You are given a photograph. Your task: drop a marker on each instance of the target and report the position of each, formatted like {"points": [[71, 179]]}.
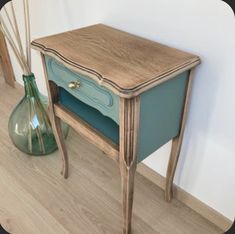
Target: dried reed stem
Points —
{"points": [[27, 32], [30, 145], [9, 20], [15, 29], [7, 35], [17, 33], [16, 45]]}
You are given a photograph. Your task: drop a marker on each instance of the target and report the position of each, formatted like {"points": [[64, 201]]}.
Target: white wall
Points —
{"points": [[205, 27]]}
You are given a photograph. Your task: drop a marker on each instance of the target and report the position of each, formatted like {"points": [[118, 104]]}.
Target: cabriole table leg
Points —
{"points": [[177, 143], [129, 126]]}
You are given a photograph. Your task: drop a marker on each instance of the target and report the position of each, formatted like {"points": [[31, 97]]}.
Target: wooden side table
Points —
{"points": [[125, 94]]}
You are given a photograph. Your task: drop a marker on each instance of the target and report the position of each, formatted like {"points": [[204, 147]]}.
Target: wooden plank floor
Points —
{"points": [[34, 198]]}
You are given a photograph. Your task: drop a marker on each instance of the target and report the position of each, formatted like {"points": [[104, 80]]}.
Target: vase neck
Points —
{"points": [[31, 89]]}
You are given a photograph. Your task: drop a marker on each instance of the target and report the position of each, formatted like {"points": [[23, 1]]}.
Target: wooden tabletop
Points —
{"points": [[122, 61]]}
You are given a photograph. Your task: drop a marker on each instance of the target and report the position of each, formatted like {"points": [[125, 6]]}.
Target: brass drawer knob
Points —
{"points": [[74, 84]]}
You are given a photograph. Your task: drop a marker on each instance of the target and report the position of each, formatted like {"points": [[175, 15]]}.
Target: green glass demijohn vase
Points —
{"points": [[29, 125]]}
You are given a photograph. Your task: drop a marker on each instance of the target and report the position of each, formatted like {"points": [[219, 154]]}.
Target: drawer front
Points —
{"points": [[88, 91]]}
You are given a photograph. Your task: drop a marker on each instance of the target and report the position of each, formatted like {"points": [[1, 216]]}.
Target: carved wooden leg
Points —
{"points": [[175, 151], [57, 130], [129, 125], [56, 122], [56, 125], [128, 175], [176, 144]]}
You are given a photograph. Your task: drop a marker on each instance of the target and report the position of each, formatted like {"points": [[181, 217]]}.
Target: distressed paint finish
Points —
{"points": [[129, 128], [160, 114], [89, 91], [148, 80]]}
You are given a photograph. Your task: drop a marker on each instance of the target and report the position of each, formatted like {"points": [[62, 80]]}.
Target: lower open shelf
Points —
{"points": [[103, 124]]}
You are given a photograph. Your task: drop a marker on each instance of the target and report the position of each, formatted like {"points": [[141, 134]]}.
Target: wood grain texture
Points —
{"points": [[177, 142], [129, 65], [57, 130], [56, 122], [116, 59], [5, 62], [129, 128], [34, 199]]}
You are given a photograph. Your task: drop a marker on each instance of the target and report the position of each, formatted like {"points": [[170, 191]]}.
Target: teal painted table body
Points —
{"points": [[125, 94], [160, 107]]}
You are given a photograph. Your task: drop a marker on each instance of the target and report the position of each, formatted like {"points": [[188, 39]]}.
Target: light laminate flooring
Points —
{"points": [[35, 199]]}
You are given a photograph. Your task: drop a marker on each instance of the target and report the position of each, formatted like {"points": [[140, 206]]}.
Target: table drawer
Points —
{"points": [[88, 91]]}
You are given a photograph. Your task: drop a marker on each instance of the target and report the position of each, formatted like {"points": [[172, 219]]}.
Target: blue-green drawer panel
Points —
{"points": [[103, 124], [160, 107], [89, 91], [160, 114]]}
